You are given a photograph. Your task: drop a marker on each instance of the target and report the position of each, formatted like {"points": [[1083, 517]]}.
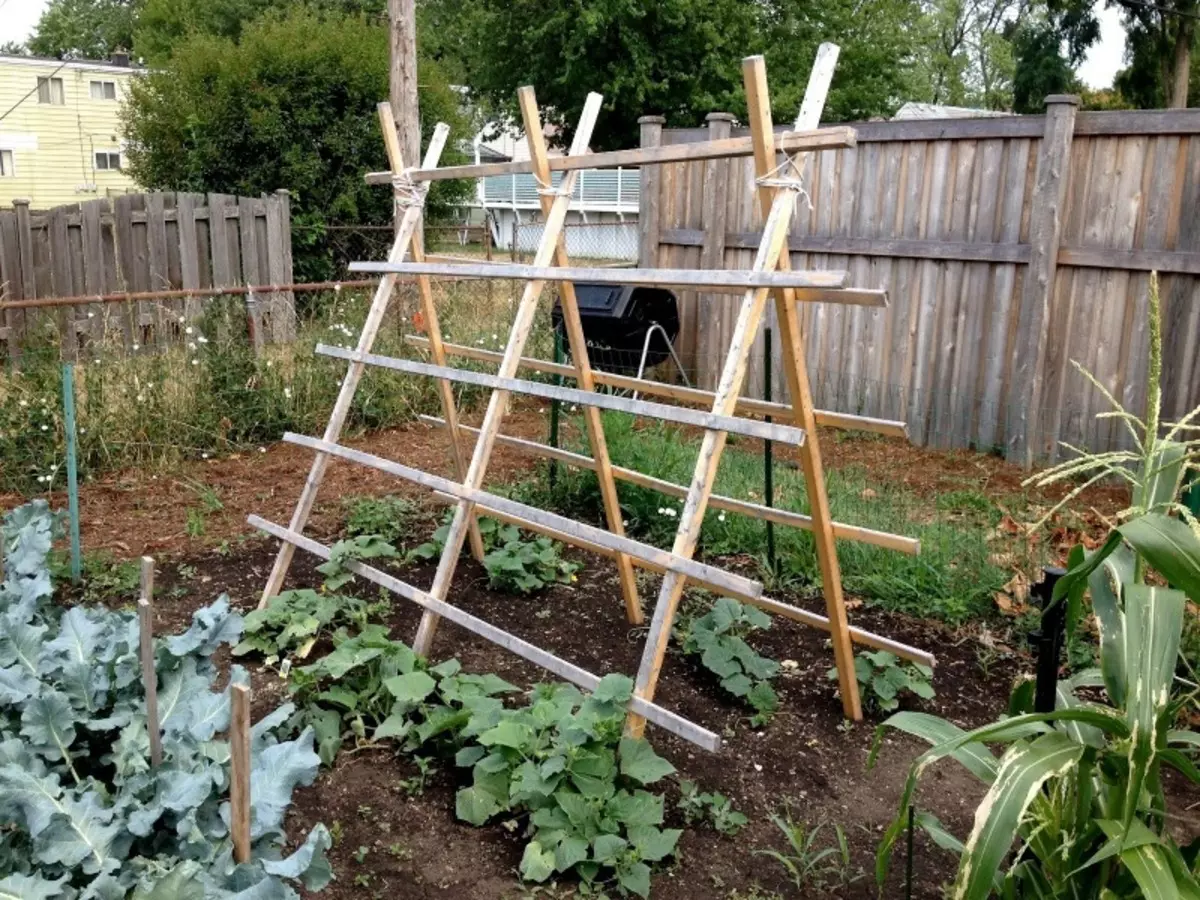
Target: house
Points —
{"points": [[60, 132], [602, 221]]}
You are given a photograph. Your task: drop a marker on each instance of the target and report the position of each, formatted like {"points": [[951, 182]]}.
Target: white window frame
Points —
{"points": [[9, 170], [47, 98], [105, 86], [108, 156]]}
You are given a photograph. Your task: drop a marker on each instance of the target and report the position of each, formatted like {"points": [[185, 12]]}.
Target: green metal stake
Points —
{"points": [[558, 379], [68, 389], [768, 462]]}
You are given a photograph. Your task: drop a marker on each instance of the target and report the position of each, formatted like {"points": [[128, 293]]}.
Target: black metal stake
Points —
{"points": [[768, 462], [908, 866], [558, 358], [1048, 640]]}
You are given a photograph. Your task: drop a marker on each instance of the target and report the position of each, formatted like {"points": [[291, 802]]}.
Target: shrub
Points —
{"points": [[883, 679]]}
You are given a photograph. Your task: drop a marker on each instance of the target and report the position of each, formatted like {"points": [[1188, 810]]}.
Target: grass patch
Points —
{"points": [[952, 579]]}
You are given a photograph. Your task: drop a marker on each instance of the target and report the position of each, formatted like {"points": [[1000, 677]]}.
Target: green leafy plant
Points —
{"points": [[521, 566], [388, 517], [562, 761], [1082, 787], [811, 862], [884, 679], [371, 688], [716, 808], [292, 622], [364, 546], [495, 534], [85, 813], [719, 638]]}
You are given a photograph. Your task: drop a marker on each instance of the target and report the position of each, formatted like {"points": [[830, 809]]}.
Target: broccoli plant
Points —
{"points": [[86, 815]]}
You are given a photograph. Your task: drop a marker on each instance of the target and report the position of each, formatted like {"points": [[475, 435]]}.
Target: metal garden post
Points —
{"points": [[768, 461], [68, 391], [558, 379], [1049, 640]]}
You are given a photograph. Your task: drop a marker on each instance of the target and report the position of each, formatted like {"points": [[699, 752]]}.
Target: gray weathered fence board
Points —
{"points": [[945, 216], [140, 242]]}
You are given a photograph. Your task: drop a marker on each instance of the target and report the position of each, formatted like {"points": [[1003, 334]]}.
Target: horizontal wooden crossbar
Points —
{"points": [[536, 518], [682, 415], [753, 510], [536, 655], [787, 611], [745, 405], [819, 139], [692, 278]]}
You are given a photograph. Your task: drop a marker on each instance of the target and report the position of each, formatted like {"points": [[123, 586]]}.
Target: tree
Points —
{"points": [[1041, 67], [13, 48], [89, 29], [877, 66], [291, 104], [1158, 47], [678, 58]]}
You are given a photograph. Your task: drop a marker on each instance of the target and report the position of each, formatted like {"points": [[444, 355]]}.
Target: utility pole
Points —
{"points": [[402, 79]]}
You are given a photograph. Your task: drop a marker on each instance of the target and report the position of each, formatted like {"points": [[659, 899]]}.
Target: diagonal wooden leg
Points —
{"points": [[337, 419], [583, 367], [391, 140], [792, 353], [497, 404], [690, 519]]}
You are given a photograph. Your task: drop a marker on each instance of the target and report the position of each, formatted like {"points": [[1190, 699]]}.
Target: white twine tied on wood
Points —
{"points": [[549, 190], [788, 175], [406, 192]]}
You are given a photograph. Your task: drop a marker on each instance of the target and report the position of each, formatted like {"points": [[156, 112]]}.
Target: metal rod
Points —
{"points": [[558, 380], [175, 294], [1049, 641], [68, 397], [768, 462], [908, 868]]}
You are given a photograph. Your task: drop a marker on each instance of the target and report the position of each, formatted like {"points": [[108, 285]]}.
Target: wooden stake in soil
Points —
{"points": [[146, 645], [239, 771]]}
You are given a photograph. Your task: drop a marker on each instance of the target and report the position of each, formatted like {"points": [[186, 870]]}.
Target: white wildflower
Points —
{"points": [[188, 330], [91, 315], [45, 428], [287, 392], [137, 346], [182, 320], [141, 398], [191, 345], [262, 449], [202, 339], [24, 403], [195, 362], [204, 456], [721, 517]]}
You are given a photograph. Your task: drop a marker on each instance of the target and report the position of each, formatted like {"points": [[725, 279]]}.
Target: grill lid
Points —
{"points": [[603, 300]]}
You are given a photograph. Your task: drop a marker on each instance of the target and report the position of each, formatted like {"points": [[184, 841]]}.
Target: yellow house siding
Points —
{"points": [[53, 147]]}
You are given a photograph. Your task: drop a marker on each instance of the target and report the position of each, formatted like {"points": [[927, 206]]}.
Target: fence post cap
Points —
{"points": [[22, 201], [720, 117], [1068, 99], [282, 192], [652, 120]]}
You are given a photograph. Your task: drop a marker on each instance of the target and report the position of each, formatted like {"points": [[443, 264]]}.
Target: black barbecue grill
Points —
{"points": [[616, 319]]}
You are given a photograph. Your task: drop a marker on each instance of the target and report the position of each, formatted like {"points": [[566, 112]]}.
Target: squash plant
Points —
{"points": [[1080, 789], [85, 814]]}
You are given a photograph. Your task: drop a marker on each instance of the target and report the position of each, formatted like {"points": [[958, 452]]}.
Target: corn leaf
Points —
{"points": [[1146, 861], [1023, 771], [1170, 547], [1105, 585], [1153, 623]]}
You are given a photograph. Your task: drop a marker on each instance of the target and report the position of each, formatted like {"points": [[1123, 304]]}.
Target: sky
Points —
{"points": [[18, 17]]}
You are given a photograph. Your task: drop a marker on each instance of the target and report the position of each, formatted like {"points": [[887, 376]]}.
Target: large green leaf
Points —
{"points": [[82, 834], [32, 887], [640, 763], [274, 774], [49, 723], [1105, 586], [1023, 771], [1145, 858], [1153, 623], [308, 864], [1170, 546], [975, 757], [1164, 475]]}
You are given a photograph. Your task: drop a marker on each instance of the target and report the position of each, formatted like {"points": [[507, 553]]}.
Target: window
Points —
{"points": [[108, 160], [50, 90], [6, 163], [104, 90]]}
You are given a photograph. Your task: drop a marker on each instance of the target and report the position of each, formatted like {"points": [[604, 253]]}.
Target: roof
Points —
{"points": [[913, 110], [84, 64]]}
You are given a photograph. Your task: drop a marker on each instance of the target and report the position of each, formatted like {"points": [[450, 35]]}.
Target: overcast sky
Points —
{"points": [[18, 17]]}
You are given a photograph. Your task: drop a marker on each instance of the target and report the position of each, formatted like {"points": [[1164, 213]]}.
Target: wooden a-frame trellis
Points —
{"points": [[779, 185]]}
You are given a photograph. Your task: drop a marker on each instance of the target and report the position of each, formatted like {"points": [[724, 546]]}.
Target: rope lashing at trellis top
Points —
{"points": [[721, 412]]}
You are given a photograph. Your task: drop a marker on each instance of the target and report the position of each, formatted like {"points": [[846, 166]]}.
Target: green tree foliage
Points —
{"points": [[1041, 67], [679, 58], [291, 104], [89, 29]]}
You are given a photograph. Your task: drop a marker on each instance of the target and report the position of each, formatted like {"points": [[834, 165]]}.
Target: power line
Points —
{"points": [[32, 90]]}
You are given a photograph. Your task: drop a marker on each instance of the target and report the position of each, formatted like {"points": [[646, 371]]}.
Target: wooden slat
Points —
{"points": [[679, 414], [535, 517], [341, 407], [578, 346], [391, 141], [745, 405], [816, 139], [658, 715], [650, 277], [896, 542]]}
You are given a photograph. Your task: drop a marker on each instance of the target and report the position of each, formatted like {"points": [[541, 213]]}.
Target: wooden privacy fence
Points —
{"points": [[1008, 246], [143, 243]]}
